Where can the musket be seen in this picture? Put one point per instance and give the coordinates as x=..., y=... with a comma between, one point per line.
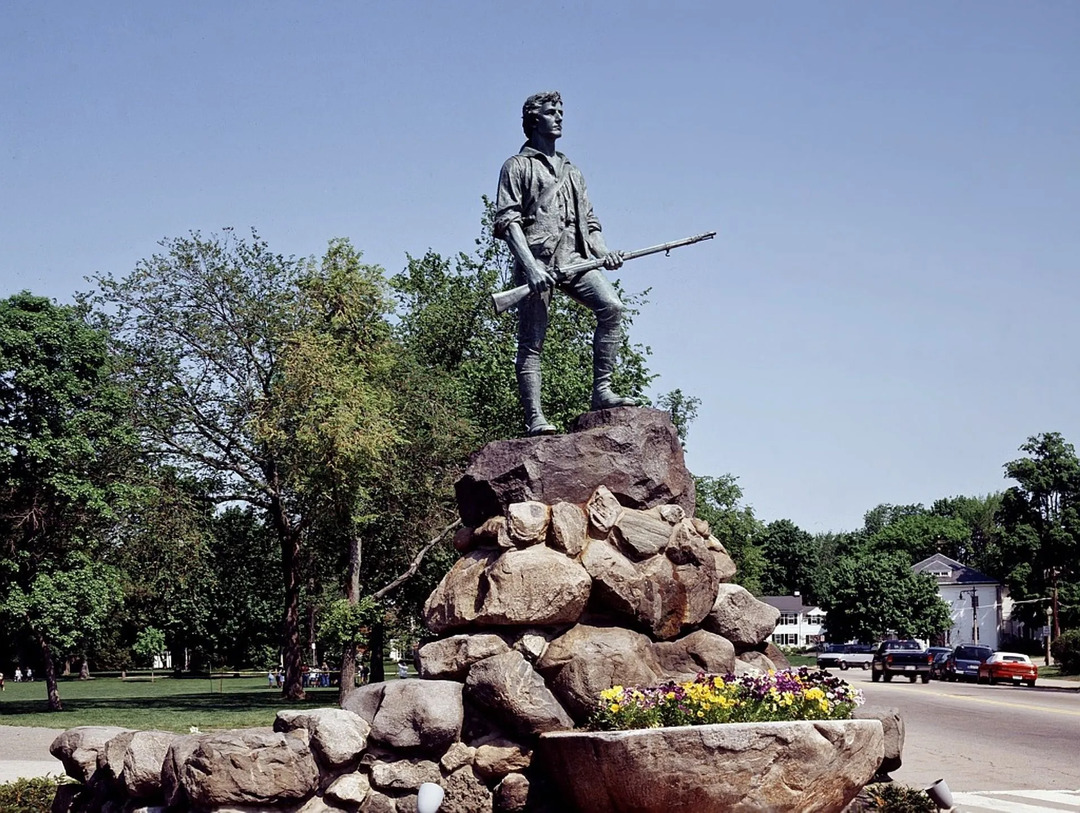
x=504, y=300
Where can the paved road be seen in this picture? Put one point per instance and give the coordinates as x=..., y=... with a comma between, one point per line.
x=985, y=738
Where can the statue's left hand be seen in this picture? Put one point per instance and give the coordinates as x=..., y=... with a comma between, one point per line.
x=613, y=260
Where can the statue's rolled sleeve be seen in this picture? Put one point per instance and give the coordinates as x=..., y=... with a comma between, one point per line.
x=509, y=200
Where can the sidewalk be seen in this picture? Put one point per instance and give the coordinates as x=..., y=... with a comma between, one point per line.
x=24, y=753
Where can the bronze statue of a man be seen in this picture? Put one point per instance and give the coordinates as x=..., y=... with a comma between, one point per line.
x=544, y=215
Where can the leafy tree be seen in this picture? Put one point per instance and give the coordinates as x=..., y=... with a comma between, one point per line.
x=791, y=558
x=924, y=534
x=869, y=596
x=1039, y=549
x=980, y=516
x=66, y=450
x=683, y=410
x=718, y=503
x=150, y=645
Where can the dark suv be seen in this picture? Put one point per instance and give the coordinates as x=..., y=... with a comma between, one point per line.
x=963, y=663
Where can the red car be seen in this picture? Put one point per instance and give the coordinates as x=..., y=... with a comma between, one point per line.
x=1008, y=666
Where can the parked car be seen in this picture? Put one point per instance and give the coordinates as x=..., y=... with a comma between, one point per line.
x=907, y=658
x=937, y=665
x=963, y=663
x=1008, y=666
x=844, y=656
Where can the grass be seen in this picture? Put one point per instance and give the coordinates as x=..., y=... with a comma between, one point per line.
x=1054, y=671
x=169, y=704
x=802, y=660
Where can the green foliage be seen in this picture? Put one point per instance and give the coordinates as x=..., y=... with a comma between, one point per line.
x=1039, y=547
x=1066, y=651
x=682, y=408
x=869, y=596
x=150, y=643
x=718, y=503
x=67, y=606
x=791, y=558
x=891, y=797
x=29, y=795
x=344, y=623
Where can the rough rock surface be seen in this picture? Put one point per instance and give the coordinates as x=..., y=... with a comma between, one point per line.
x=588, y=659
x=78, y=749
x=338, y=737
x=527, y=587
x=892, y=725
x=450, y=658
x=507, y=686
x=740, y=617
x=700, y=651
x=635, y=452
x=248, y=767
x=512, y=794
x=805, y=767
x=143, y=761
x=425, y=715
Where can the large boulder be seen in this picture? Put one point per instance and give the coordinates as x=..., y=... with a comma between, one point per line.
x=78, y=749
x=249, y=767
x=635, y=452
x=338, y=737
x=143, y=761
x=529, y=587
x=587, y=659
x=420, y=715
x=808, y=767
x=700, y=651
x=740, y=617
x=507, y=686
x=892, y=725
x=450, y=658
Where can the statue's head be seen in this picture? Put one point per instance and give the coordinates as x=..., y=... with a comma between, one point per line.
x=531, y=109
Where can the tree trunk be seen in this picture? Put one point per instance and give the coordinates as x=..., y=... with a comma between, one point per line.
x=378, y=673
x=293, y=685
x=352, y=595
x=50, y=675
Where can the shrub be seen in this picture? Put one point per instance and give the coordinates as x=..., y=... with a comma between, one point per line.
x=890, y=797
x=28, y=795
x=794, y=694
x=1066, y=651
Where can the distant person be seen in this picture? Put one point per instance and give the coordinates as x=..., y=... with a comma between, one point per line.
x=29, y=675
x=271, y=678
x=18, y=675
x=402, y=669
x=1, y=681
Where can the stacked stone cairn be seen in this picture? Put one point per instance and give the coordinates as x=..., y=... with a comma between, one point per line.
x=582, y=567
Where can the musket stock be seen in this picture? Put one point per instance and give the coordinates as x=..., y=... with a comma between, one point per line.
x=504, y=300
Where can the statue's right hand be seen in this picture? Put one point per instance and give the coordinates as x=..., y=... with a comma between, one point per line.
x=539, y=280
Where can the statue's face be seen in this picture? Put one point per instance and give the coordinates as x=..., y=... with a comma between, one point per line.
x=549, y=120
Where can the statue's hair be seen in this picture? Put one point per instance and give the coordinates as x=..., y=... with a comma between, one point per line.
x=531, y=109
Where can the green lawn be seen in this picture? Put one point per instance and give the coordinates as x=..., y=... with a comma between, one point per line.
x=168, y=703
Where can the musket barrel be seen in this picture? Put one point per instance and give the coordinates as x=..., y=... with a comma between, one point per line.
x=504, y=300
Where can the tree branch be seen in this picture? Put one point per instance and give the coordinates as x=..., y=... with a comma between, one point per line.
x=411, y=570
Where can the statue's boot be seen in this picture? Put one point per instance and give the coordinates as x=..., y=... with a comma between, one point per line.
x=603, y=396
x=529, y=390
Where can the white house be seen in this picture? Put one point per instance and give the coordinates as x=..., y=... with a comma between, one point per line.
x=976, y=601
x=799, y=624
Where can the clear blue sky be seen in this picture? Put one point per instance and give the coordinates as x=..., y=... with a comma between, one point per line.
x=890, y=307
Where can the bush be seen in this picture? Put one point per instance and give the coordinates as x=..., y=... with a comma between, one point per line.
x=28, y=795
x=1066, y=651
x=893, y=798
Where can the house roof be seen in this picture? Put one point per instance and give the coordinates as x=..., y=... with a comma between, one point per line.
x=958, y=573
x=788, y=604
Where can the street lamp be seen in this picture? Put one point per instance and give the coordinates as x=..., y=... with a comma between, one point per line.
x=1049, y=622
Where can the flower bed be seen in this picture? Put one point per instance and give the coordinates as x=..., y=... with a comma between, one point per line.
x=793, y=694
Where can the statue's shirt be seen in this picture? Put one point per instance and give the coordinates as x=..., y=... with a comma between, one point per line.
x=552, y=206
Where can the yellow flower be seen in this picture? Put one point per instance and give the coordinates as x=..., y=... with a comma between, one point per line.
x=614, y=707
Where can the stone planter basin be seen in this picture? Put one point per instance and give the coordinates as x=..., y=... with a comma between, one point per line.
x=805, y=766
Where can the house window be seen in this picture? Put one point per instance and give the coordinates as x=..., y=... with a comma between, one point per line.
x=815, y=618
x=786, y=639
x=789, y=618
